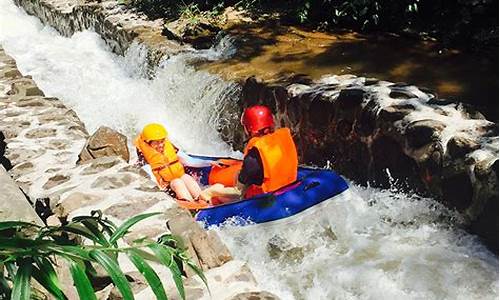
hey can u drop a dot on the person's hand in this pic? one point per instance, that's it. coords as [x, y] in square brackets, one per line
[216, 163]
[163, 185]
[205, 196]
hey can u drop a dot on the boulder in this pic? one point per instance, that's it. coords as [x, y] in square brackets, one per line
[14, 205]
[459, 146]
[400, 92]
[207, 250]
[200, 34]
[104, 142]
[423, 132]
[394, 113]
[278, 247]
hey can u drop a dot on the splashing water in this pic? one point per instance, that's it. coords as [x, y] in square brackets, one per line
[368, 244]
[108, 90]
[377, 244]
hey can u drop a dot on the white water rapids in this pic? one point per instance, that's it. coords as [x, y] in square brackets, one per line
[376, 244]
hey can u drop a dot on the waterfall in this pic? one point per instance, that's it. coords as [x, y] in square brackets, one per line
[374, 244]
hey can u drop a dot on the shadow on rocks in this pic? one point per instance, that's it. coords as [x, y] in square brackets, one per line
[4, 161]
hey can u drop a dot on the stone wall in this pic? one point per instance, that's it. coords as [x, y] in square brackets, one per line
[376, 131]
[43, 139]
[117, 25]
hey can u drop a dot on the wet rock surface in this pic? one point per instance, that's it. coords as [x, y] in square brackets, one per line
[112, 181]
[279, 247]
[206, 248]
[41, 152]
[117, 25]
[75, 201]
[373, 131]
[14, 205]
[129, 207]
[228, 278]
[200, 34]
[105, 142]
[55, 181]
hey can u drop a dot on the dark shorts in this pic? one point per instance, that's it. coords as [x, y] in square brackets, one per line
[252, 171]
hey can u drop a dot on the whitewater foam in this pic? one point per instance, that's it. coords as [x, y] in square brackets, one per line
[378, 244]
[110, 90]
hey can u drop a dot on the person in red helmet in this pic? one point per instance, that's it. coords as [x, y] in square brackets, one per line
[270, 159]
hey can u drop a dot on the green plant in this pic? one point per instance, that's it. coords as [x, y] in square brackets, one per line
[28, 251]
[190, 12]
[194, 14]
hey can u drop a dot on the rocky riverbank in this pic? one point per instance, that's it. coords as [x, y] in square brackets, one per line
[362, 126]
[44, 140]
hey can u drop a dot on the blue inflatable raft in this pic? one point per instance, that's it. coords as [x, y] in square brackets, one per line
[312, 187]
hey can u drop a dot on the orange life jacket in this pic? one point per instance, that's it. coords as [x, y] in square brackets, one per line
[279, 159]
[226, 173]
[165, 165]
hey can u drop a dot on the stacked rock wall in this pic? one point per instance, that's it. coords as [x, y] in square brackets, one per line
[43, 140]
[118, 26]
[377, 131]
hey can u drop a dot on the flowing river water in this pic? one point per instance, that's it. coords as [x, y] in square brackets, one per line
[369, 244]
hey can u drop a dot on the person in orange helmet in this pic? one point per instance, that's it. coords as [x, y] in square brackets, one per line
[154, 148]
[270, 159]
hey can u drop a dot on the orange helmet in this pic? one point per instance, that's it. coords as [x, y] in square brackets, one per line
[256, 118]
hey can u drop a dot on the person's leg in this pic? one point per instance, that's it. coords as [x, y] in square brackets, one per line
[192, 185]
[223, 194]
[180, 189]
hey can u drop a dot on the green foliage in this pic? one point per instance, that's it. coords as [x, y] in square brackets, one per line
[192, 12]
[455, 22]
[174, 9]
[28, 251]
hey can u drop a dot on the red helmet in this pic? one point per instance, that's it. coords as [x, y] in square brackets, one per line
[256, 118]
